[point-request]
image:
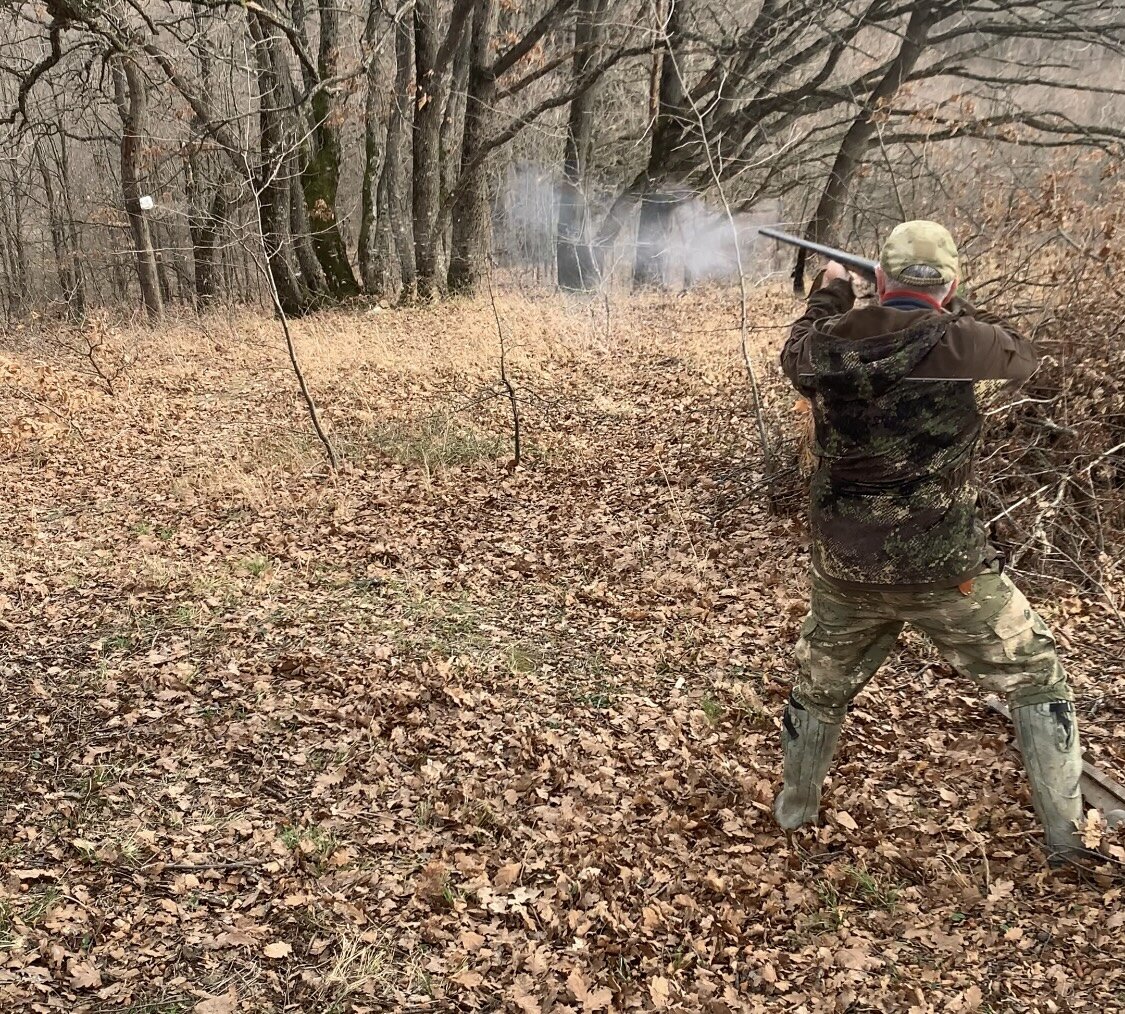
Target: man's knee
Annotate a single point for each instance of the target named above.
(1046, 683)
(1024, 663)
(826, 680)
(1003, 644)
(827, 702)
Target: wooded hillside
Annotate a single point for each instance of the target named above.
(164, 153)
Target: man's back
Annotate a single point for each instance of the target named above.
(898, 393)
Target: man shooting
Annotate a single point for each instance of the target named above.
(898, 393)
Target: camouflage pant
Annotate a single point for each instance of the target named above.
(991, 635)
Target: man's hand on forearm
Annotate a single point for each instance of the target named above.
(834, 270)
(834, 296)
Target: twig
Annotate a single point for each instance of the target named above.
(243, 864)
(763, 436)
(54, 411)
(275, 296)
(314, 415)
(1047, 485)
(679, 513)
(517, 448)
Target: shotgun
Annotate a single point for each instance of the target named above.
(860, 265)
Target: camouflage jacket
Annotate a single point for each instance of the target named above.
(898, 396)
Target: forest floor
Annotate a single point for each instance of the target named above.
(443, 734)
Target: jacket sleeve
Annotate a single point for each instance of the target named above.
(991, 352)
(829, 301)
(990, 347)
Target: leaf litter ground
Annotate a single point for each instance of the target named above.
(443, 735)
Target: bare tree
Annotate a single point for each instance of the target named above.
(130, 92)
(63, 235)
(321, 176)
(577, 268)
(376, 248)
(472, 213)
(434, 50)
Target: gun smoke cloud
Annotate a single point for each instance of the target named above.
(701, 243)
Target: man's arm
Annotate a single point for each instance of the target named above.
(989, 346)
(834, 297)
(961, 306)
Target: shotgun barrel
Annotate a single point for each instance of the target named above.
(861, 265)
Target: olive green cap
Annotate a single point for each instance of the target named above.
(920, 253)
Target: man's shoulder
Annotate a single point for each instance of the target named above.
(965, 348)
(873, 321)
(974, 349)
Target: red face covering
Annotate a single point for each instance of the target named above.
(886, 294)
(918, 297)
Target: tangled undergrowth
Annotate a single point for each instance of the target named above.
(444, 734)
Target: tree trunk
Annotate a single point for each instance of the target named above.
(70, 282)
(22, 254)
(427, 146)
(386, 267)
(574, 258)
(452, 142)
(7, 282)
(297, 11)
(375, 239)
(472, 214)
(16, 265)
(432, 62)
(301, 231)
(394, 182)
(206, 210)
(272, 183)
(205, 222)
(205, 246)
(651, 262)
(78, 297)
(654, 231)
(292, 149)
(321, 177)
(161, 251)
(825, 219)
(130, 97)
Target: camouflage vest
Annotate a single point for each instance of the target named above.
(892, 498)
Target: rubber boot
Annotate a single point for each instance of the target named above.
(808, 744)
(1048, 739)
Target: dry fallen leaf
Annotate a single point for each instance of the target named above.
(225, 1004)
(854, 958)
(524, 1000)
(597, 999)
(84, 975)
(506, 876)
(577, 985)
(1093, 829)
(426, 720)
(471, 940)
